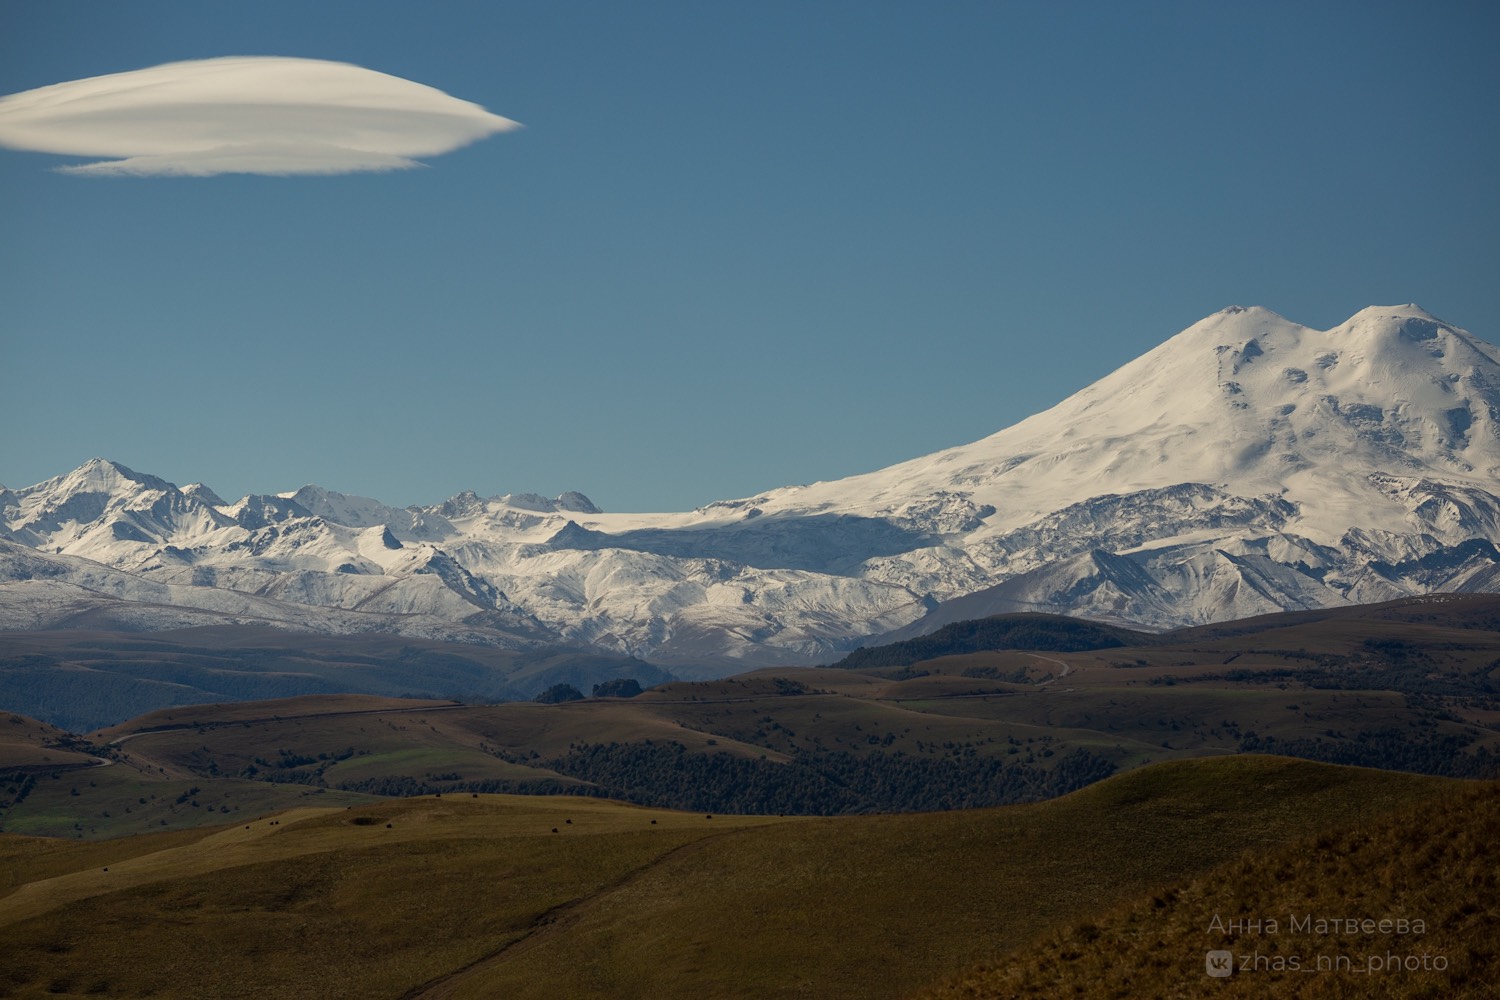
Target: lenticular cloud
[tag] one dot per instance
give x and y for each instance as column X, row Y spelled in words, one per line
column 243, row 115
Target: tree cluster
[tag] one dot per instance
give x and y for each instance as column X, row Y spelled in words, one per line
column 1421, row 752
column 559, row 693
column 822, row 784
column 620, row 687
column 1050, row 633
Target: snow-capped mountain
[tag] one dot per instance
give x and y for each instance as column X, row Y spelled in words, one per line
column 1246, row 465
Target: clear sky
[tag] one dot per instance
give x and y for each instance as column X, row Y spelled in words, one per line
column 736, row 245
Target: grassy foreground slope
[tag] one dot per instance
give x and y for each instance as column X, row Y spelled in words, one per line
column 478, row 896
column 1435, row 863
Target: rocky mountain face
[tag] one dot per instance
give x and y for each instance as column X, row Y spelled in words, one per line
column 1244, row 466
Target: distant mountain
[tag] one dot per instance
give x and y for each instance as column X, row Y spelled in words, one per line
column 1245, row 466
column 87, row 677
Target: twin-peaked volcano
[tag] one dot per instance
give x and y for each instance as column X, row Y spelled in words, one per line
column 1243, row 400
column 1246, row 465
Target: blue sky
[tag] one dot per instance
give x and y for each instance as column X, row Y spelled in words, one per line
column 736, row 246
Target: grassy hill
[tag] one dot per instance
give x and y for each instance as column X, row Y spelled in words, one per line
column 1407, row 685
column 1435, row 863
column 753, row 744
column 254, row 831
column 1041, row 632
column 477, row 896
column 28, row 745
column 1411, row 684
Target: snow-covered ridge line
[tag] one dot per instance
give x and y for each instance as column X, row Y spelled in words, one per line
column 1247, row 464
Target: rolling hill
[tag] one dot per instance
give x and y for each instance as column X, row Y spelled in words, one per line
column 470, row 896
column 935, row 723
column 1414, row 884
column 357, row 845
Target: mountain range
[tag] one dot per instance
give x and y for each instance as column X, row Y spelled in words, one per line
column 1246, row 465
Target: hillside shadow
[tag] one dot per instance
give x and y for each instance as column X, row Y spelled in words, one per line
column 817, row 543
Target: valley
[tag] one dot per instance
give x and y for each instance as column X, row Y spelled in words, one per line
column 951, row 720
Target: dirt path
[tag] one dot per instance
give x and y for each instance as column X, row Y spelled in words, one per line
column 1066, row 669
column 225, row 849
column 555, row 921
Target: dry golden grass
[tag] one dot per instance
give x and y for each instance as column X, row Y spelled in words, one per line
column 224, row 713
column 328, row 903
column 478, row 897
column 27, row 744
column 1437, row 863
column 872, row 907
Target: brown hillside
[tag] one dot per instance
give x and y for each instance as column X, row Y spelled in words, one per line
column 1322, row 917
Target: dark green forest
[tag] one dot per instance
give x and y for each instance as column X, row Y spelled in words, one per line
column 1044, row 633
column 823, row 784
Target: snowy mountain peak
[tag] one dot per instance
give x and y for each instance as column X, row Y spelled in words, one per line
column 201, row 493
column 100, row 475
column 353, row 511
column 471, row 504
column 1409, row 310
column 465, row 504
column 105, row 503
column 1245, row 465
column 570, row 501
column 1250, row 396
column 577, row 503
column 1245, row 399
column 81, row 497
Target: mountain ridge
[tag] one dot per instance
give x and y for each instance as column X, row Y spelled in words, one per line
column 1247, row 464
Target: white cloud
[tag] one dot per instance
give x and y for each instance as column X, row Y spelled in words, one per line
column 243, row 115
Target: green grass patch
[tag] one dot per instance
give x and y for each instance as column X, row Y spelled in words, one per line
column 118, row 801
